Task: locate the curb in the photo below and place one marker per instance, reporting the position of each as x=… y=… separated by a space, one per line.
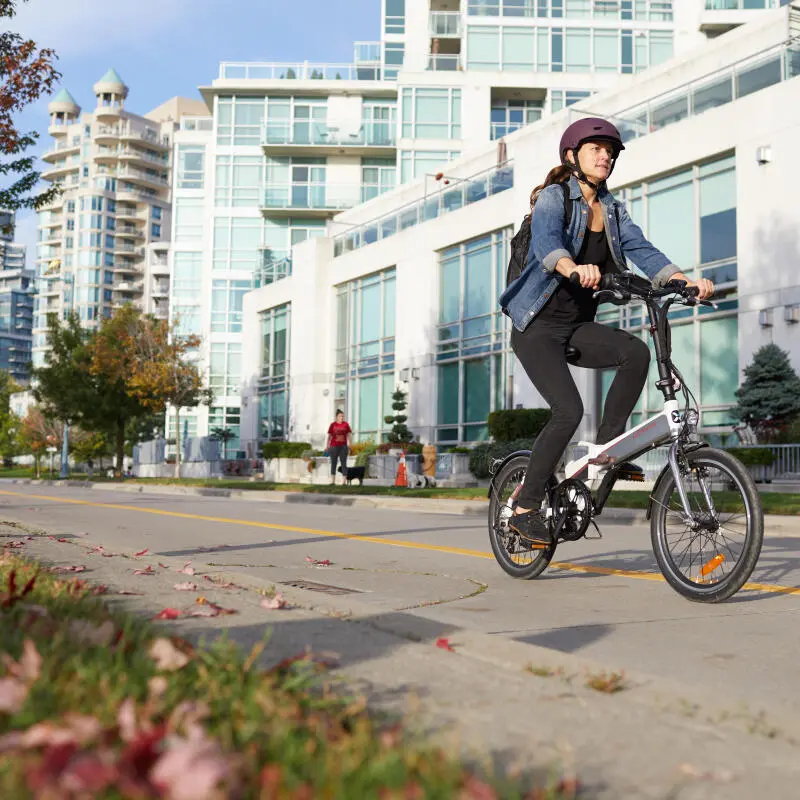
x=774 y=524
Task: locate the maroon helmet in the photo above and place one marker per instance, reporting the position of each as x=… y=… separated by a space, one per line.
x=589 y=129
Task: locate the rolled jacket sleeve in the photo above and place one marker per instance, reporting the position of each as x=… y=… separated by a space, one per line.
x=547 y=229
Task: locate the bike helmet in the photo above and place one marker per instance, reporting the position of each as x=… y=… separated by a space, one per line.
x=585 y=130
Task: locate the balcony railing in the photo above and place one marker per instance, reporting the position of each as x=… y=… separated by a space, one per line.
x=643 y=10
x=271 y=269
x=467 y=191
x=445 y=24
x=312 y=196
x=300 y=70
x=197 y=123
x=143 y=175
x=344 y=134
x=759 y=71
x=125 y=130
x=740 y=5
x=444 y=62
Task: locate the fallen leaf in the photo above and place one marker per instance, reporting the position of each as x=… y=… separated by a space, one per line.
x=143 y=552
x=163 y=566
x=186 y=587
x=228 y=585
x=444 y=643
x=100 y=589
x=80 y=568
x=125 y=591
x=278 y=601
x=326 y=563
x=21 y=675
x=148 y=571
x=187 y=570
x=166 y=655
x=211 y=610
x=13 y=693
x=76 y=729
x=98 y=635
x=191 y=768
x=14 y=544
x=62 y=539
x=98 y=548
x=168 y=613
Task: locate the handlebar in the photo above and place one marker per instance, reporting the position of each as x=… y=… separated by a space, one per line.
x=618 y=288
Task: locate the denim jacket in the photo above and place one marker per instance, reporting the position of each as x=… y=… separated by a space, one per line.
x=550 y=241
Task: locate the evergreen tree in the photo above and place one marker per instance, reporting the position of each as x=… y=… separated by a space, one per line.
x=400 y=432
x=770 y=395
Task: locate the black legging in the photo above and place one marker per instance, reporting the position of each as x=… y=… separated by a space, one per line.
x=338 y=453
x=540 y=349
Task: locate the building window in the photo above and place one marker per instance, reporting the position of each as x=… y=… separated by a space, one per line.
x=562 y=98
x=300 y=183
x=393 y=58
x=378 y=175
x=294 y=120
x=189 y=213
x=227 y=298
x=239 y=182
x=511 y=115
x=227 y=418
x=379 y=120
x=186 y=318
x=700 y=236
x=156 y=212
x=273 y=388
x=155 y=230
x=431 y=113
x=191 y=159
x=395 y=16
x=225 y=368
x=365 y=315
x=237 y=242
x=187 y=275
x=239 y=120
x=472 y=351
x=416 y=163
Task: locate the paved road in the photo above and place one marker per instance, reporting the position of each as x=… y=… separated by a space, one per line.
x=437 y=570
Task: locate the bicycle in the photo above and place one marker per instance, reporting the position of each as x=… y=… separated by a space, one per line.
x=706 y=541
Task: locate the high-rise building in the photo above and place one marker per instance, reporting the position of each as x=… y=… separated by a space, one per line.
x=102 y=240
x=16 y=303
x=291 y=146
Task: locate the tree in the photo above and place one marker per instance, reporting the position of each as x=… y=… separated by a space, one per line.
x=9 y=422
x=70 y=389
x=400 y=433
x=223 y=436
x=89 y=447
x=152 y=361
x=26 y=74
x=770 y=395
x=37 y=432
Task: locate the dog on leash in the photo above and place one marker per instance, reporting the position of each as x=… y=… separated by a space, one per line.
x=353 y=474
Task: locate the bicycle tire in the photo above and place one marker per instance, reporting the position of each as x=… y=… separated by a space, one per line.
x=513 y=471
x=663 y=503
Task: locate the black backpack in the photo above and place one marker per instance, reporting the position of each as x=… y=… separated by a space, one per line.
x=521 y=243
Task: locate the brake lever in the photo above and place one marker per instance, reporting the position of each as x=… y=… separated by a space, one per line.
x=614 y=296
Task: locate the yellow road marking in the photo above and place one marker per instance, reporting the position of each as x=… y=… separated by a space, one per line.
x=459 y=551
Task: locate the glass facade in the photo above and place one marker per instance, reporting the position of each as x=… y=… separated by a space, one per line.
x=416 y=163
x=511 y=115
x=431 y=113
x=691 y=216
x=365 y=380
x=227 y=418
x=273 y=381
x=191 y=166
x=378 y=175
x=472 y=352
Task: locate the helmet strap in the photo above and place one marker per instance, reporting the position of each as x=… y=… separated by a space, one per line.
x=576 y=170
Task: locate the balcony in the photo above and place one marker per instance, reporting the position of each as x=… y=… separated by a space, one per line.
x=367 y=53
x=127 y=268
x=128 y=212
x=329 y=138
x=720 y=16
x=126 y=287
x=271 y=269
x=197 y=124
x=130 y=231
x=445 y=24
x=143 y=156
x=301 y=70
x=125 y=131
x=444 y=62
x=143 y=176
x=314 y=199
x=159 y=266
x=61 y=171
x=161 y=289
x=60 y=149
x=128 y=249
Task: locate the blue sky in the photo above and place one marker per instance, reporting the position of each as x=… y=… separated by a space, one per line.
x=163 y=48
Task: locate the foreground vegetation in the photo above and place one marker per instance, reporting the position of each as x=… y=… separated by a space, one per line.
x=95 y=703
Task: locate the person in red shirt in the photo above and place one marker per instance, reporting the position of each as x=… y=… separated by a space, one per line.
x=338 y=444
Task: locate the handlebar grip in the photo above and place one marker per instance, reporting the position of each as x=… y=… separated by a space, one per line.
x=607 y=281
x=691 y=291
x=575 y=278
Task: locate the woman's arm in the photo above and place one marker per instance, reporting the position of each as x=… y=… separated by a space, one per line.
x=547 y=229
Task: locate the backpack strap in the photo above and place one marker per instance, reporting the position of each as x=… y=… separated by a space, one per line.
x=567 y=204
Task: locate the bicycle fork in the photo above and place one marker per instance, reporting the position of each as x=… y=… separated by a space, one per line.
x=676 y=474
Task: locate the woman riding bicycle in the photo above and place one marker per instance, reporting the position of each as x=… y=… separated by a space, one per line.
x=550 y=312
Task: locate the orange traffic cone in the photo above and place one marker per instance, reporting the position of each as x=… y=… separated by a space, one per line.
x=402 y=475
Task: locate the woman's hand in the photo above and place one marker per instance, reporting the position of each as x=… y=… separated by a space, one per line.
x=589 y=275
x=704 y=286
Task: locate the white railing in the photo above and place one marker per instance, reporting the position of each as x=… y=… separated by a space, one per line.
x=652 y=10
x=444 y=62
x=740 y=5
x=445 y=24
x=314 y=196
x=299 y=70
x=140 y=174
x=347 y=133
x=124 y=130
x=501 y=129
x=154 y=158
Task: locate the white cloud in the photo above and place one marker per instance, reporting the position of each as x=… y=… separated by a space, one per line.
x=72 y=27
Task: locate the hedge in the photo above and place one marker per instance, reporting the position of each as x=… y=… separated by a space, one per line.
x=517 y=423
x=753 y=456
x=481 y=456
x=284 y=449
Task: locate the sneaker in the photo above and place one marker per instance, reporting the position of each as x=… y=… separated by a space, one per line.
x=532 y=528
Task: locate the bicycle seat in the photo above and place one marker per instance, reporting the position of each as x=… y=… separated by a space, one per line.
x=572 y=354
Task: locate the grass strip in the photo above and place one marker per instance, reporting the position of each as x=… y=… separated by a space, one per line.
x=98 y=703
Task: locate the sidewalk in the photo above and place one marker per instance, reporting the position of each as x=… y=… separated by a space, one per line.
x=774 y=524
x=653 y=739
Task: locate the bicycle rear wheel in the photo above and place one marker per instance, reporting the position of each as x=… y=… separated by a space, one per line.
x=515 y=557
x=709 y=557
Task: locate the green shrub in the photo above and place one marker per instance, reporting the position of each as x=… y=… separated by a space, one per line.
x=284 y=449
x=753 y=456
x=481 y=457
x=362 y=457
x=459 y=450
x=517 y=423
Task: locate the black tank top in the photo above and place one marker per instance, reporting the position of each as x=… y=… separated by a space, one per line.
x=571 y=302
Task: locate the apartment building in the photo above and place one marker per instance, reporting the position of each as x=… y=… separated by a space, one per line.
x=16 y=303
x=402 y=290
x=99 y=240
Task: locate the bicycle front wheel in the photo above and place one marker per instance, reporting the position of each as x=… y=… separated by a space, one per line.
x=710 y=556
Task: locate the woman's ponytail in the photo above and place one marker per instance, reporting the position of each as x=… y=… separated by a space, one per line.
x=559 y=174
